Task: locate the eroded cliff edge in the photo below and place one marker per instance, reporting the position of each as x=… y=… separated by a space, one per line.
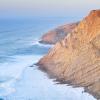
x=76 y=59
x=58 y=33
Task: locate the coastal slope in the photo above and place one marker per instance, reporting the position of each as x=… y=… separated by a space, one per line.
x=57 y=34
x=76 y=59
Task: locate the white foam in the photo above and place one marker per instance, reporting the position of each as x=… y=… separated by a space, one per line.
x=10 y=72
x=42 y=45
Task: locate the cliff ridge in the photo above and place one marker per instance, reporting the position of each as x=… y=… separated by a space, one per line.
x=76 y=59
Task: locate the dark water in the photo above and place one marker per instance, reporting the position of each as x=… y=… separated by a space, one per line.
x=19 y=49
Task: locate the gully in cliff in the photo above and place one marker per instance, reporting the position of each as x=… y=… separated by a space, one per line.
x=76 y=58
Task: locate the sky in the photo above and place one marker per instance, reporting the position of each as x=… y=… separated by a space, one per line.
x=47 y=8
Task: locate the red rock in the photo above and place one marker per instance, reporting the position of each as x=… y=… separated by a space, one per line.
x=58 y=34
x=76 y=59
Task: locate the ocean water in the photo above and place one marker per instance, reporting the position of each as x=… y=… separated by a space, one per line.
x=19 y=49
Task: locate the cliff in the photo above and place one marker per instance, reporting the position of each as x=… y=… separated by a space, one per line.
x=76 y=59
x=57 y=34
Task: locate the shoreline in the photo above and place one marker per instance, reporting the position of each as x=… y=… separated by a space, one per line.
x=63 y=81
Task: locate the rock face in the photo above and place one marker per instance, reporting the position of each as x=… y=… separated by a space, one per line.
x=76 y=59
x=57 y=34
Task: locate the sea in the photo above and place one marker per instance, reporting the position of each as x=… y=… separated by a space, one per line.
x=20 y=79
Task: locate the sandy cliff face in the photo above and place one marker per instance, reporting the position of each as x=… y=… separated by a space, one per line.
x=58 y=34
x=76 y=59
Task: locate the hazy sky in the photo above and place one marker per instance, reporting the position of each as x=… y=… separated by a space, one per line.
x=47 y=7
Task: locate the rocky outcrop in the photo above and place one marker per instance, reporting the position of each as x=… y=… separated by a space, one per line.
x=76 y=59
x=57 y=34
